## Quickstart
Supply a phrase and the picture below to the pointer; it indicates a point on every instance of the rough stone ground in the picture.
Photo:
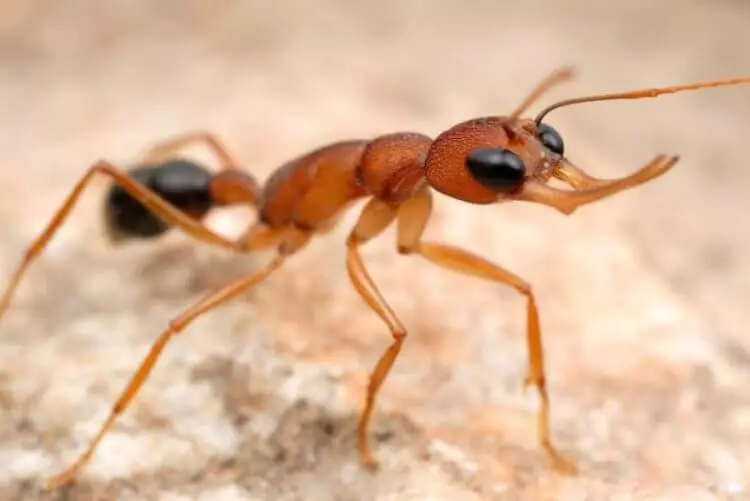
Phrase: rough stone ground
(643, 298)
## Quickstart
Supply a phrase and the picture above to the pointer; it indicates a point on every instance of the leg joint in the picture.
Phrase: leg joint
(399, 335)
(353, 239)
(406, 249)
(526, 289)
(539, 381)
(104, 166)
(177, 325)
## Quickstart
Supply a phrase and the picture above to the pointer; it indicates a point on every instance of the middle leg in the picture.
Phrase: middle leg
(375, 217)
(292, 242)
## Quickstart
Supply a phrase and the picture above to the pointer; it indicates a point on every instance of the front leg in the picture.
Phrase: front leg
(413, 217)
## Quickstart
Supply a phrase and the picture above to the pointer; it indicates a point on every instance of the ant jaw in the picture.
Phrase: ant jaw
(588, 189)
(537, 191)
(567, 172)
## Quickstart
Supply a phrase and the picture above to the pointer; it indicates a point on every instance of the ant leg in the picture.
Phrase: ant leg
(592, 189)
(176, 326)
(375, 217)
(231, 185)
(164, 149)
(153, 202)
(413, 216)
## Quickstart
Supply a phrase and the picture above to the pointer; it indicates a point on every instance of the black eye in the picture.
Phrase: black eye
(551, 139)
(496, 168)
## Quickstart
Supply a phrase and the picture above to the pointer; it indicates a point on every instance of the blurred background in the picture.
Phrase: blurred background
(643, 297)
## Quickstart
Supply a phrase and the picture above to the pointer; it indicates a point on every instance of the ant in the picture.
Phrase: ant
(481, 161)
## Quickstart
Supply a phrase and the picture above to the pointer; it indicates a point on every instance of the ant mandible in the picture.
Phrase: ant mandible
(480, 161)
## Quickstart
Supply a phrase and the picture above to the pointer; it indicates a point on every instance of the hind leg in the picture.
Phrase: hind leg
(375, 217)
(153, 203)
(167, 148)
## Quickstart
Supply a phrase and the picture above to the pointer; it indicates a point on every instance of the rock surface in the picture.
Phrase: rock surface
(643, 298)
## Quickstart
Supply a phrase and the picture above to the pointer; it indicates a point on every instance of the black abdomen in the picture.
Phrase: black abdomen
(182, 183)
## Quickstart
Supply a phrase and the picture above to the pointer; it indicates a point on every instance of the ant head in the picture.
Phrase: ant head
(489, 159)
(486, 160)
(492, 159)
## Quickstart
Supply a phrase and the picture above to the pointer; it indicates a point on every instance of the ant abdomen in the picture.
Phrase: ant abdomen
(182, 183)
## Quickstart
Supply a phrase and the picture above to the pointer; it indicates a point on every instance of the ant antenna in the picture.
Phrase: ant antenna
(640, 94)
(555, 78)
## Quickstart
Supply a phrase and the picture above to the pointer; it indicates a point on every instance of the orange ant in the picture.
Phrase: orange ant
(480, 161)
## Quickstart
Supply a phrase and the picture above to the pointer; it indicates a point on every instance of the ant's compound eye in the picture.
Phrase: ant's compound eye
(496, 168)
(551, 139)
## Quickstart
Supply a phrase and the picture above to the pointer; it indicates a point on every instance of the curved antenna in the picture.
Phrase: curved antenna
(555, 78)
(642, 93)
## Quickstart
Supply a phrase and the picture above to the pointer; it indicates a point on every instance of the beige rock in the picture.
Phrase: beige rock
(643, 298)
